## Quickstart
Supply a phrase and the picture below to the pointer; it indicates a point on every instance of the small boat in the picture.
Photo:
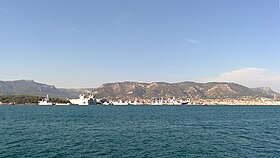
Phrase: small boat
(46, 101)
(120, 102)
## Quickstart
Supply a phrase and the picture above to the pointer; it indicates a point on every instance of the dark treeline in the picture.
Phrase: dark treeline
(25, 99)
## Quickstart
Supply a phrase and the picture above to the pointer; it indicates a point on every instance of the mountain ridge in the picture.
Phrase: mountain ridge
(30, 87)
(210, 90)
(132, 90)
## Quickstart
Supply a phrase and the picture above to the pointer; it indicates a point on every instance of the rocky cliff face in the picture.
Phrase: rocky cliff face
(213, 90)
(268, 91)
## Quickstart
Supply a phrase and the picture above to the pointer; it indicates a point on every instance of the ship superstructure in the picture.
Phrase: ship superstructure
(46, 101)
(84, 100)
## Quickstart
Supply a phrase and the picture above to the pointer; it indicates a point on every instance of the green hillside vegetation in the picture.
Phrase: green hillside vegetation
(26, 99)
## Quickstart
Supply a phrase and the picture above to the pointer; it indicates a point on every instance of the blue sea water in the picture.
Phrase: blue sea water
(139, 131)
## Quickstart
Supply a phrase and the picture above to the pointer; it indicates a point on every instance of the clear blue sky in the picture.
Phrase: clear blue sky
(84, 43)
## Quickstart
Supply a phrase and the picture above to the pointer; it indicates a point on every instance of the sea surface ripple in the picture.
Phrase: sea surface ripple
(139, 131)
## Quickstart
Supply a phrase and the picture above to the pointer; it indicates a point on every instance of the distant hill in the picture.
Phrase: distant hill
(210, 90)
(268, 91)
(129, 90)
(29, 87)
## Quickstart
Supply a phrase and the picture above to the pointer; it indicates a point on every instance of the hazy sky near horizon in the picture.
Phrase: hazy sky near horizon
(84, 43)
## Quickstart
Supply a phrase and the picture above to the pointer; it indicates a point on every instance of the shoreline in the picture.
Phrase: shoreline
(146, 105)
